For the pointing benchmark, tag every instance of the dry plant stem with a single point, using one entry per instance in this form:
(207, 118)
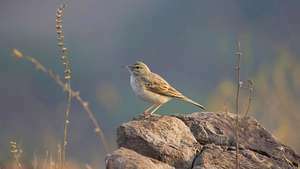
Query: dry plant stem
(87, 166)
(67, 75)
(75, 94)
(16, 152)
(58, 162)
(18, 163)
(237, 69)
(35, 161)
(99, 132)
(251, 89)
(248, 105)
(45, 161)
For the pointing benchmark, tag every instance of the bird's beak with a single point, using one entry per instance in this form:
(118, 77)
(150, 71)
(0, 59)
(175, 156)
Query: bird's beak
(128, 67)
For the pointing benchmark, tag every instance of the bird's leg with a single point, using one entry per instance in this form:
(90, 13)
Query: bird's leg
(146, 112)
(157, 107)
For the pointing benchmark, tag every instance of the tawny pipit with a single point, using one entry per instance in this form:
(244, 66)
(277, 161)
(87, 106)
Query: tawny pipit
(153, 88)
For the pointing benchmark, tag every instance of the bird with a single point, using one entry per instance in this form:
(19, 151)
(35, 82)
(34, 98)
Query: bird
(152, 88)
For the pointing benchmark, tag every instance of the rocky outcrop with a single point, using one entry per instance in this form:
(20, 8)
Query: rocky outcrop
(126, 158)
(197, 141)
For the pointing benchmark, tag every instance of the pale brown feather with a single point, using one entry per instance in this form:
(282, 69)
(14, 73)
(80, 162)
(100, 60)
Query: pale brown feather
(157, 84)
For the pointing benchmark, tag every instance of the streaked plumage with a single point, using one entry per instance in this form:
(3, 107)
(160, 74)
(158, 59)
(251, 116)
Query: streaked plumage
(153, 88)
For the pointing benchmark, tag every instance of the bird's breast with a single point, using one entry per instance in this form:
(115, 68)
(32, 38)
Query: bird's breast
(136, 87)
(139, 89)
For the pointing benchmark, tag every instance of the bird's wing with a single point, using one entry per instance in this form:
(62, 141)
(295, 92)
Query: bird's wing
(157, 84)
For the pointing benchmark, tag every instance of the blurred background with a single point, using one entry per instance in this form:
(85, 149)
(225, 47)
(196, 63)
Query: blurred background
(190, 43)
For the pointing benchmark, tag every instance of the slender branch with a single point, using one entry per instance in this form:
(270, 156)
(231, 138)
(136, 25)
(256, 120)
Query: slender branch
(237, 69)
(251, 90)
(16, 152)
(67, 75)
(75, 94)
(58, 163)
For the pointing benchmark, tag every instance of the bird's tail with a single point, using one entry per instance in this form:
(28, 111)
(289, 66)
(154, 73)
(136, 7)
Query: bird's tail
(194, 103)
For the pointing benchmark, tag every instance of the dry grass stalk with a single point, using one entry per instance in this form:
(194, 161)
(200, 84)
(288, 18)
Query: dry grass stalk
(35, 161)
(16, 151)
(48, 161)
(87, 166)
(250, 87)
(58, 159)
(75, 94)
(237, 70)
(67, 75)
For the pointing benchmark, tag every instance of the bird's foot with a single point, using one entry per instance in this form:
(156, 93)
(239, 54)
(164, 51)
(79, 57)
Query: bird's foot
(146, 114)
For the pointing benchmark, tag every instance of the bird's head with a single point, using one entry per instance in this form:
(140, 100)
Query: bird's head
(138, 68)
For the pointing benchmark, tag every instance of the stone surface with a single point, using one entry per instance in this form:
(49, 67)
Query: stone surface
(199, 141)
(128, 159)
(220, 157)
(218, 128)
(164, 138)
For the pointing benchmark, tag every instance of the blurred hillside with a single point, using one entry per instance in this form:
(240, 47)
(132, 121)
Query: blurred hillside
(191, 44)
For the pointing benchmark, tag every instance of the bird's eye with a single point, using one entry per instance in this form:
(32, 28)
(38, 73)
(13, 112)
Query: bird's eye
(137, 67)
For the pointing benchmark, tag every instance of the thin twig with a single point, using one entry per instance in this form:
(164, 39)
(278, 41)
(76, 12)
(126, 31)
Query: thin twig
(67, 75)
(16, 152)
(75, 94)
(237, 69)
(58, 162)
(251, 90)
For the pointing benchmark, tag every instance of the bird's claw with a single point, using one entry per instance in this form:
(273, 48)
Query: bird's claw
(146, 114)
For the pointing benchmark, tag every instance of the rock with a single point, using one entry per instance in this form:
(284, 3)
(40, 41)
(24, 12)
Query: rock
(128, 159)
(164, 138)
(218, 128)
(219, 157)
(198, 141)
